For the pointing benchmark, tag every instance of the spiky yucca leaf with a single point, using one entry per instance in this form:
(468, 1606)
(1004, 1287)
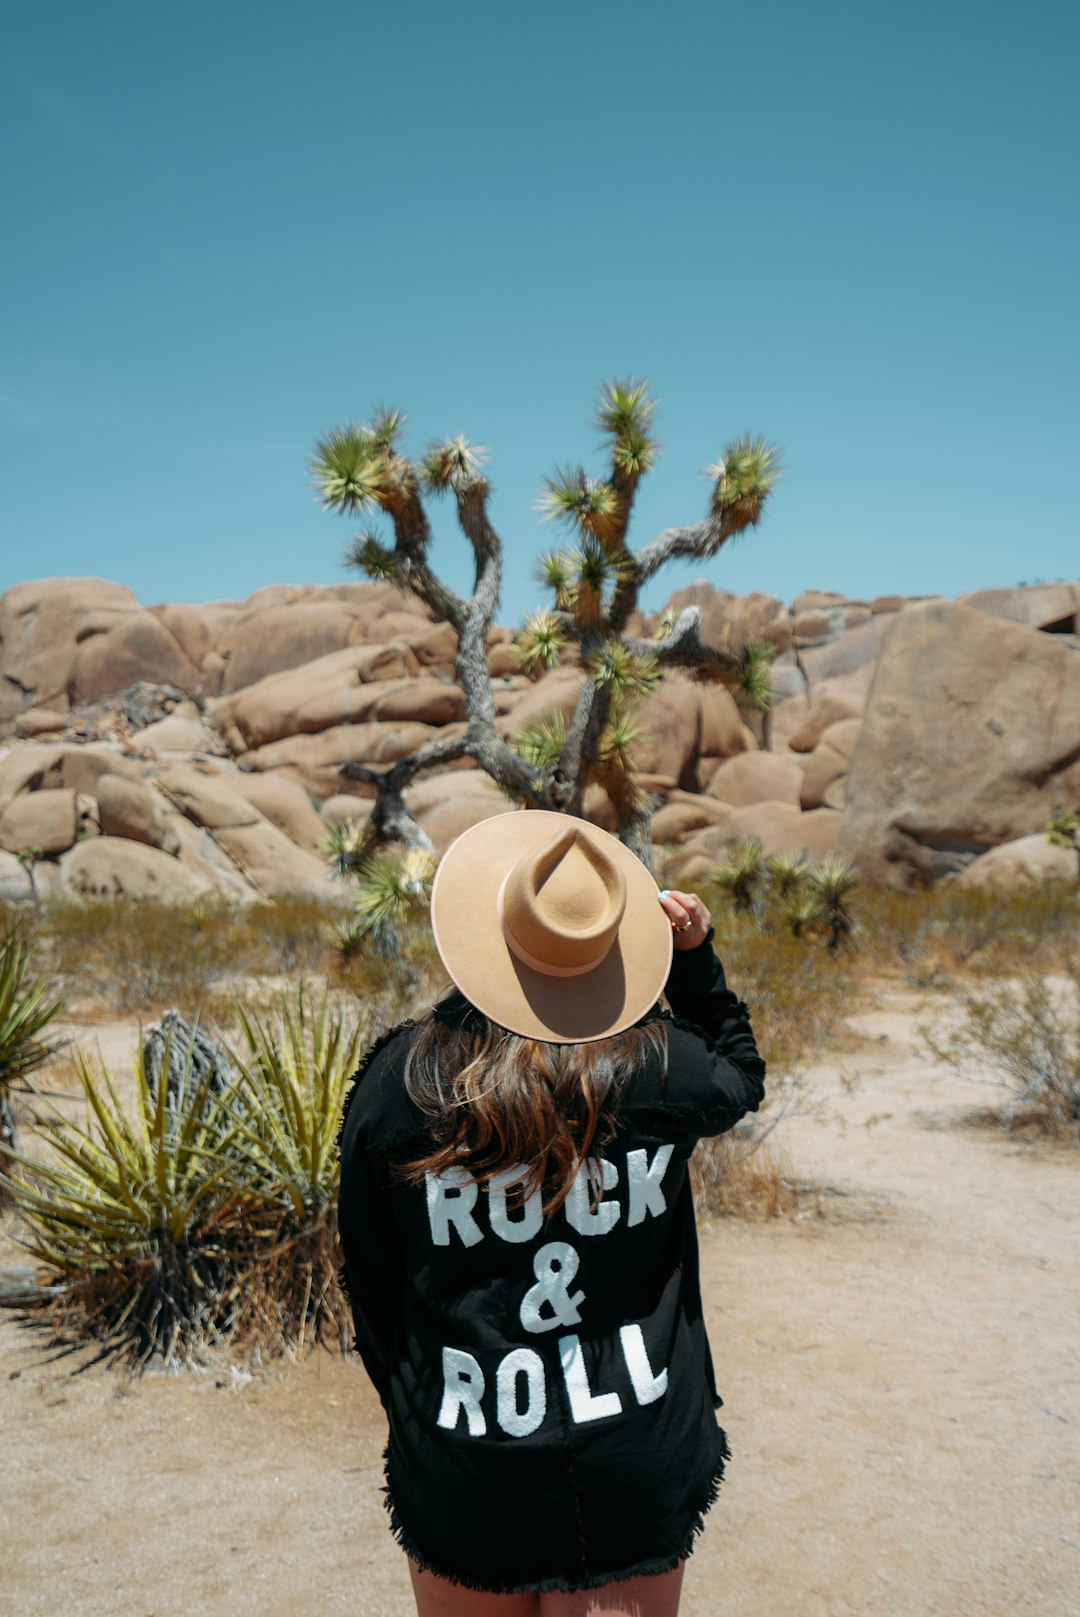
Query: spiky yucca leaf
(350, 469)
(294, 1074)
(556, 570)
(623, 407)
(27, 1007)
(371, 556)
(628, 674)
(803, 910)
(617, 743)
(587, 503)
(742, 480)
(665, 623)
(151, 1222)
(388, 892)
(542, 743)
(451, 465)
(540, 643)
(345, 848)
(830, 880)
(787, 872)
(742, 872)
(634, 454)
(752, 686)
(386, 426)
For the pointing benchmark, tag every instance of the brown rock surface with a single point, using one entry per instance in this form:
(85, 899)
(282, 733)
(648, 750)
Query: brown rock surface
(827, 707)
(971, 738)
(829, 761)
(39, 721)
(270, 636)
(327, 691)
(26, 767)
(1053, 607)
(115, 867)
(130, 808)
(1027, 862)
(182, 731)
(686, 814)
(315, 760)
(41, 626)
(757, 777)
(852, 650)
(136, 647)
(44, 819)
(285, 804)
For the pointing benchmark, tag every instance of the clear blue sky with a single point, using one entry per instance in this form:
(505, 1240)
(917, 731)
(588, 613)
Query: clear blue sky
(850, 227)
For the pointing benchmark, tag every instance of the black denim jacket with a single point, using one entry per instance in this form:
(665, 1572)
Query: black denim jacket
(549, 1387)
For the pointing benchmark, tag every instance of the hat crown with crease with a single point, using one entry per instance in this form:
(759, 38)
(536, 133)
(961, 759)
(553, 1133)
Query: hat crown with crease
(562, 903)
(550, 926)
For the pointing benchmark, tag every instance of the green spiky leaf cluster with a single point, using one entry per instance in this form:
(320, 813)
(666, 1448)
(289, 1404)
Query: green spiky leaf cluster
(380, 562)
(540, 643)
(743, 479)
(451, 465)
(811, 895)
(1064, 830)
(542, 743)
(624, 413)
(28, 1005)
(623, 671)
(351, 469)
(389, 892)
(589, 504)
(752, 685)
(200, 1215)
(346, 848)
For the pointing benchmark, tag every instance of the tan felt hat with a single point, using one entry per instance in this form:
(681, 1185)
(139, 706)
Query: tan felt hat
(550, 926)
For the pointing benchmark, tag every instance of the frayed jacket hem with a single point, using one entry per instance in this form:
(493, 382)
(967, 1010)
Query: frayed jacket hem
(558, 1585)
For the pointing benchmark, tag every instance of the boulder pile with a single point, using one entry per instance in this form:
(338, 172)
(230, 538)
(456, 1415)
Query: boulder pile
(175, 751)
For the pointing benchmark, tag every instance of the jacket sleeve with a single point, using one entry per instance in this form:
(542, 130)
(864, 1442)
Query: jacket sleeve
(372, 1270)
(716, 1073)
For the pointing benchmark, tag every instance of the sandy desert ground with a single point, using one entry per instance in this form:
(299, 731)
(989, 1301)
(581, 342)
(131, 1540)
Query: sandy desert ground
(901, 1379)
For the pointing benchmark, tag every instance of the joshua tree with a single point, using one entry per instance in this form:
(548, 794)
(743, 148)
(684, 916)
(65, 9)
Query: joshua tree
(596, 583)
(28, 858)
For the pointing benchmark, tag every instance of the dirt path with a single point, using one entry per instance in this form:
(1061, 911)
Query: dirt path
(902, 1394)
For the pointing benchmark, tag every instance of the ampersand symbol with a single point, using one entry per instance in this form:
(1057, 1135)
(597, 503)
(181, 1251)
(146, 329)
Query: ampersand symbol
(554, 1266)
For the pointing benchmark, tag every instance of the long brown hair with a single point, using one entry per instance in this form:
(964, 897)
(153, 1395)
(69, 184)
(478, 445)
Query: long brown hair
(494, 1098)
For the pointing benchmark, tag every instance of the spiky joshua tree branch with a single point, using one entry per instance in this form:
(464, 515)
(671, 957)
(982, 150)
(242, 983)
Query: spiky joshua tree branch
(595, 581)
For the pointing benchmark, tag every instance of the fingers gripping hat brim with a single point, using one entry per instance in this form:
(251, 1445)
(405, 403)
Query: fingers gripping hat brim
(472, 942)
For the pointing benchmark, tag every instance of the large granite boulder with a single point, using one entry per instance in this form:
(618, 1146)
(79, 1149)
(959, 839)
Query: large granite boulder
(757, 777)
(47, 820)
(116, 867)
(1054, 608)
(1028, 862)
(827, 707)
(132, 809)
(284, 803)
(264, 855)
(971, 738)
(315, 761)
(829, 762)
(301, 701)
(729, 621)
(44, 625)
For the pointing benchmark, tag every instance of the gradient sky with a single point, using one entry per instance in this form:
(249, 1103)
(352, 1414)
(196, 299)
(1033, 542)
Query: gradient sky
(849, 227)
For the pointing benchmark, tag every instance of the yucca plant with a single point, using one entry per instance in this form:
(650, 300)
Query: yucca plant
(742, 873)
(293, 1076)
(149, 1222)
(830, 881)
(389, 891)
(28, 1005)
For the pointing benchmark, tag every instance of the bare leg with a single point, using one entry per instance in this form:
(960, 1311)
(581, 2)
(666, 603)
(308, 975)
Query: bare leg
(631, 1597)
(435, 1597)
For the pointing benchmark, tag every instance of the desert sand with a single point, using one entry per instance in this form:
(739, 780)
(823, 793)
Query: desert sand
(899, 1365)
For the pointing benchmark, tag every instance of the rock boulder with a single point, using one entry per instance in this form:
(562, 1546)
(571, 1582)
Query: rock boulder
(971, 738)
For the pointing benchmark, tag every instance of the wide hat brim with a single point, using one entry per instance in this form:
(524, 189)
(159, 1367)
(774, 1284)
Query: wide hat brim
(469, 937)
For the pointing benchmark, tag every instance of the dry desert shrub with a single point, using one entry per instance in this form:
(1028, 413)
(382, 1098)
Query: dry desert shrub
(128, 957)
(735, 1176)
(931, 937)
(1019, 1034)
